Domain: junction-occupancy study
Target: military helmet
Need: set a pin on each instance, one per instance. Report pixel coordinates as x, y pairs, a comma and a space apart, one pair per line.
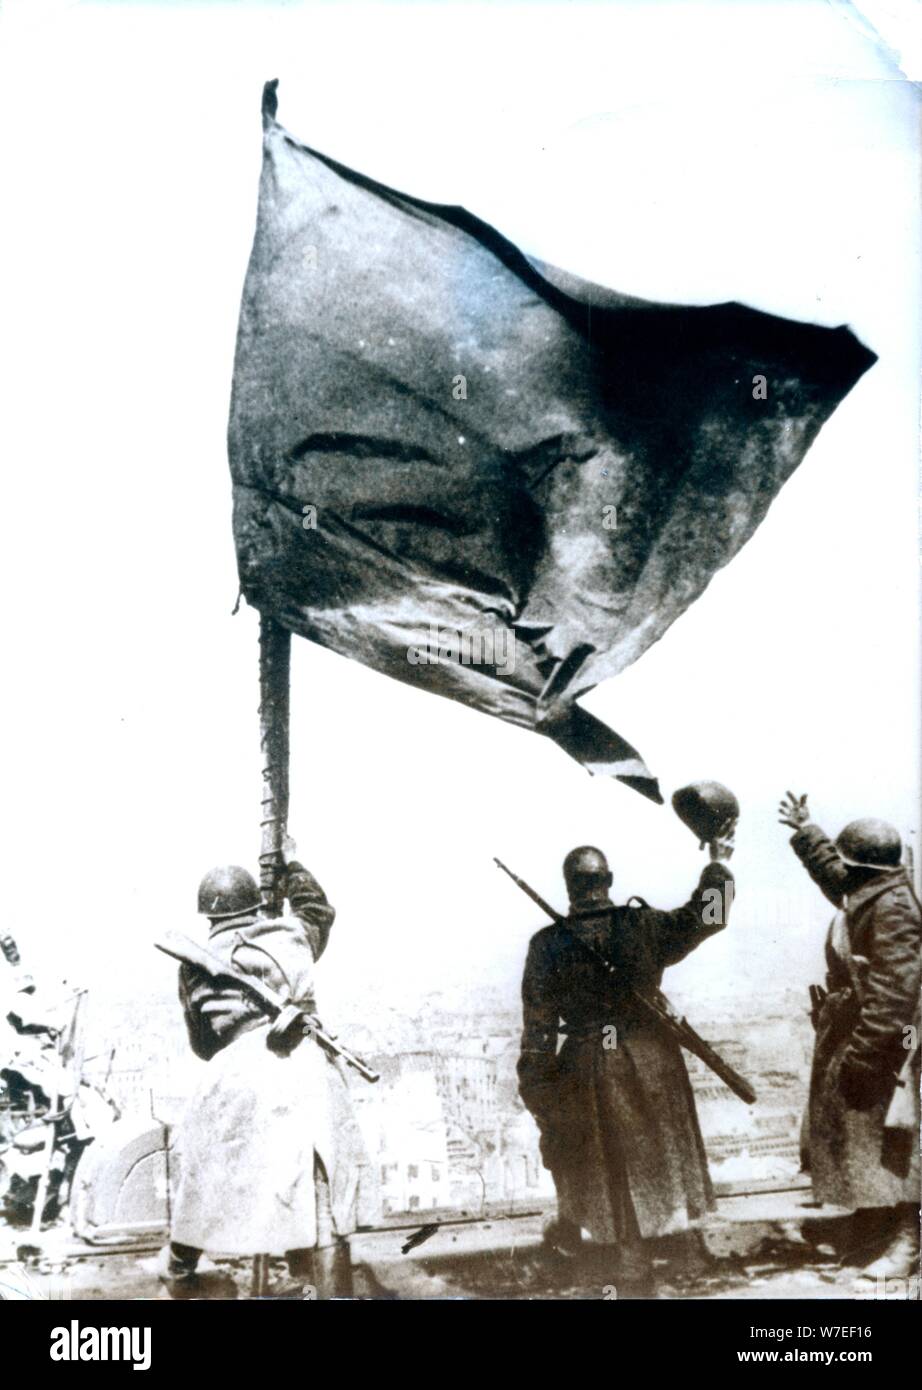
227, 891
587, 862
870, 844
709, 809
9, 948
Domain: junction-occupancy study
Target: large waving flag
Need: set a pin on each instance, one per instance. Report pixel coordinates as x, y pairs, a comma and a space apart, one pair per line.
485, 477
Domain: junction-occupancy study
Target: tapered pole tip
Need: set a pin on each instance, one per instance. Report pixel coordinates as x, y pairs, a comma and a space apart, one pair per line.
270, 100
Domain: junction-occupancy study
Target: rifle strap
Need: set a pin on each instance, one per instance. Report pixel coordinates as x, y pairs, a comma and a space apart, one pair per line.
586, 946
242, 943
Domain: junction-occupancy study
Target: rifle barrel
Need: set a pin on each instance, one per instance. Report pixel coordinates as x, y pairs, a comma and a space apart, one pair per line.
191, 953
529, 891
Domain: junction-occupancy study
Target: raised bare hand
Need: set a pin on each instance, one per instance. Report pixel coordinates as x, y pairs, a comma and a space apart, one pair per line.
793, 811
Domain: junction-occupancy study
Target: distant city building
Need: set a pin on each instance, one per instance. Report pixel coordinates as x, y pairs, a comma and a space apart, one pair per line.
445, 1129
403, 1123
467, 1087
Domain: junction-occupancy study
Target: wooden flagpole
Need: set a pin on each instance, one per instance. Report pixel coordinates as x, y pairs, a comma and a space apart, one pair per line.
274, 691
274, 704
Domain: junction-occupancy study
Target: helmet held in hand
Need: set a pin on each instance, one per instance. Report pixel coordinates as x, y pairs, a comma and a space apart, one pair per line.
709, 809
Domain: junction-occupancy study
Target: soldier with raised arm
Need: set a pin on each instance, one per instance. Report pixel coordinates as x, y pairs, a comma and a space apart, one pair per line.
614, 1105
269, 1151
863, 1114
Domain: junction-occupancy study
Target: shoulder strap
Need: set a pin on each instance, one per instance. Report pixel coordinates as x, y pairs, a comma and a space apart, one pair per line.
586, 947
641, 902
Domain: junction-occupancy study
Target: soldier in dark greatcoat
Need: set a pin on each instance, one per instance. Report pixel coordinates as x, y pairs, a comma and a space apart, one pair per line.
864, 1126
614, 1104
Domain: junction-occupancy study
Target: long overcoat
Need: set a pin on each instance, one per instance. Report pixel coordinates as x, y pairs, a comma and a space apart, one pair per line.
614, 1105
247, 1145
855, 1160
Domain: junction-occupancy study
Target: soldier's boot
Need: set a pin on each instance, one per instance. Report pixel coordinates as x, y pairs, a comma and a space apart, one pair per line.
900, 1257
332, 1270
624, 1268
320, 1272
634, 1271
301, 1268
870, 1231
835, 1233
695, 1259
562, 1238
182, 1279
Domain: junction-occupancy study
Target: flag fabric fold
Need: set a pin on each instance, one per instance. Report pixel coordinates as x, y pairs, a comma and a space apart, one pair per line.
483, 476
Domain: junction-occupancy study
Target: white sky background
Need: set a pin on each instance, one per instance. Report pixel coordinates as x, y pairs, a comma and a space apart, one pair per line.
689, 152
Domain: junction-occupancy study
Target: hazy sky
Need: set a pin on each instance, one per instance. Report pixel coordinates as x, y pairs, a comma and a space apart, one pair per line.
693, 153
